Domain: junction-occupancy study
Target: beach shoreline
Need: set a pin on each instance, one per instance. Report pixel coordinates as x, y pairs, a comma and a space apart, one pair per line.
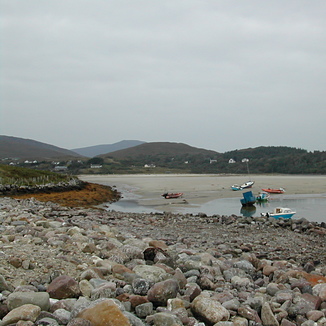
198, 189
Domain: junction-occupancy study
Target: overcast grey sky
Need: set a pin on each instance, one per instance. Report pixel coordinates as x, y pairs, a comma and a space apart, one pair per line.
215, 74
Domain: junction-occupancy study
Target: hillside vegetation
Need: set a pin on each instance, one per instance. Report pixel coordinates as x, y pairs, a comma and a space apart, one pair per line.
160, 157
24, 176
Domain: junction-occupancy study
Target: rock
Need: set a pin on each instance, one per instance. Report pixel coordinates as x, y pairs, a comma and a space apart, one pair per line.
79, 322
160, 292
63, 287
140, 286
209, 309
267, 316
145, 309
27, 312
17, 299
249, 313
152, 274
63, 316
47, 322
104, 313
86, 288
320, 291
4, 285
166, 319
134, 320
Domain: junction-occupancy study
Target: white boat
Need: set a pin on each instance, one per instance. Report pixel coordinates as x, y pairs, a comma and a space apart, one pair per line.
247, 184
280, 212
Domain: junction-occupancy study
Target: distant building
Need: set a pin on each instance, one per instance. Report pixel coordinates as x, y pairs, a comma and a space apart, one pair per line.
212, 161
231, 160
60, 168
96, 166
149, 166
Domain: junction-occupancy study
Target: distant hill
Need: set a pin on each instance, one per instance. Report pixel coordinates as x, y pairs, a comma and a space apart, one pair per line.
93, 151
27, 149
159, 149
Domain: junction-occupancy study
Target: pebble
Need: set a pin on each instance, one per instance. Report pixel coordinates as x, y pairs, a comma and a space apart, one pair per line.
87, 267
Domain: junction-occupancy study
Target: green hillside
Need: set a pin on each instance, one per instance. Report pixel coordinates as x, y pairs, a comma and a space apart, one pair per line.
173, 157
24, 176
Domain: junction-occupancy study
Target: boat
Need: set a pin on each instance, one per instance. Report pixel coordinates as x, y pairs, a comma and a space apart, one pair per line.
280, 212
171, 195
274, 191
235, 187
248, 199
247, 184
262, 197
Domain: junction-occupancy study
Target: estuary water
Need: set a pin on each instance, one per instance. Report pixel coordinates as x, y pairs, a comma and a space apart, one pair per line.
211, 194
311, 207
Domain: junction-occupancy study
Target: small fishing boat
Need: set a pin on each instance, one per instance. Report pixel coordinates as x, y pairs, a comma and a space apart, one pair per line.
235, 187
171, 195
280, 212
274, 191
248, 199
262, 197
247, 184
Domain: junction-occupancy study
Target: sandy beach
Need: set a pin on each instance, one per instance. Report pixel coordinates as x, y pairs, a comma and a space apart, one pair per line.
199, 189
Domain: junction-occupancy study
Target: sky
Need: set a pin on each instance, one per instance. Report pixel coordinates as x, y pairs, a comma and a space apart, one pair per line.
214, 74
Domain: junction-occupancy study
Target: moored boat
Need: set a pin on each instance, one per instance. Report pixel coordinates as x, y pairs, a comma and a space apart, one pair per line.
280, 212
248, 199
235, 187
247, 184
171, 195
274, 191
262, 197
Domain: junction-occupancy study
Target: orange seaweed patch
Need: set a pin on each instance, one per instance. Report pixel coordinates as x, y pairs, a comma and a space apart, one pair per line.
313, 279
92, 194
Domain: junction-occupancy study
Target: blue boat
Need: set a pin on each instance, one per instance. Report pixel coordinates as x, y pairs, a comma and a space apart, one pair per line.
280, 212
236, 187
248, 199
262, 197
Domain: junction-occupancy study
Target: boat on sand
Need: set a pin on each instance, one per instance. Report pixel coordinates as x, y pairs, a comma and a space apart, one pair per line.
245, 185
274, 191
171, 195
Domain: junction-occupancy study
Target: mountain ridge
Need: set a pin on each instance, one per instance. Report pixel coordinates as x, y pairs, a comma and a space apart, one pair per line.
159, 149
92, 151
23, 148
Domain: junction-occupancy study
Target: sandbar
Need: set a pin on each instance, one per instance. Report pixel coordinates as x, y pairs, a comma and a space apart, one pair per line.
201, 188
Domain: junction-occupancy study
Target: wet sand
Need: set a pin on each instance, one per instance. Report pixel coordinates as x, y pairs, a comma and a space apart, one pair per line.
199, 189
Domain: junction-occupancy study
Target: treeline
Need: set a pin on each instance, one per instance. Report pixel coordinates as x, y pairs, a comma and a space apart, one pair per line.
261, 160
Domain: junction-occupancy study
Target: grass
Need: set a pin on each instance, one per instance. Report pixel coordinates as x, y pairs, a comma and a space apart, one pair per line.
27, 177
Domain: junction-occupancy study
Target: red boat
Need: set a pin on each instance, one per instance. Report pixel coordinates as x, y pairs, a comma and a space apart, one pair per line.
274, 191
170, 195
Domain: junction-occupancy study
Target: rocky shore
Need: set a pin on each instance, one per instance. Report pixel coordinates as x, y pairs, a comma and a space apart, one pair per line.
89, 267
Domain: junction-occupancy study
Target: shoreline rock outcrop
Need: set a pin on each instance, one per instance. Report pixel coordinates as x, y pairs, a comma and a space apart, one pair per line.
84, 267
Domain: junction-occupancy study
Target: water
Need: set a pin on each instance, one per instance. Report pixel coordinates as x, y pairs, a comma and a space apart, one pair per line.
311, 207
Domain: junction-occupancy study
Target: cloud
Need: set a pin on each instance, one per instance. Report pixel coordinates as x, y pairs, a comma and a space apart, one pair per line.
214, 74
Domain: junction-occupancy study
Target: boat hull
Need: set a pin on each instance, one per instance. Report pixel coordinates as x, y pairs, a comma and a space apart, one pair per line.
278, 216
273, 191
280, 212
172, 195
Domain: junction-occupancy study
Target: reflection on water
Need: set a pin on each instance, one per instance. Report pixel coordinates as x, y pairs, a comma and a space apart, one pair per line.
248, 211
312, 207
